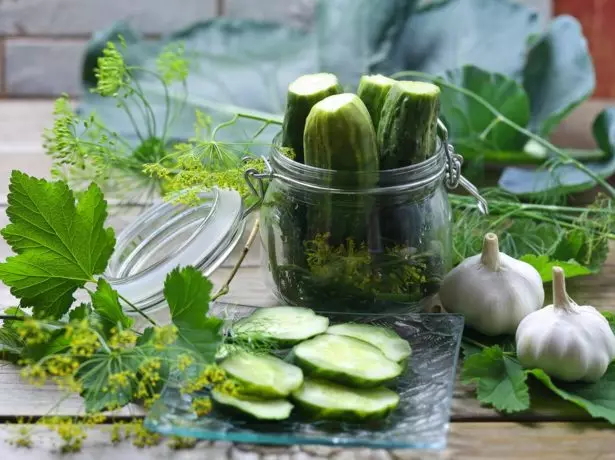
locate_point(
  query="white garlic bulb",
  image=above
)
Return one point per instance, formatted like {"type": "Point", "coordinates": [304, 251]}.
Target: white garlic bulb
{"type": "Point", "coordinates": [567, 341]}
{"type": "Point", "coordinates": [493, 291]}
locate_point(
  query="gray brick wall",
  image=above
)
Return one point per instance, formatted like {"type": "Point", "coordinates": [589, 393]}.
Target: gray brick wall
{"type": "Point", "coordinates": [42, 41]}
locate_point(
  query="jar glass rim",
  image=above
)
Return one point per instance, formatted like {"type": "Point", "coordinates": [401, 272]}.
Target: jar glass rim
{"type": "Point", "coordinates": [413, 176]}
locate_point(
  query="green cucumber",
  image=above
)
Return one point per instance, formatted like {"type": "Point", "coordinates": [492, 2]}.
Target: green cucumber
{"type": "Point", "coordinates": [345, 360]}
{"type": "Point", "coordinates": [284, 326]}
{"type": "Point", "coordinates": [303, 93]}
{"type": "Point", "coordinates": [385, 339]}
{"type": "Point", "coordinates": [339, 135]}
{"type": "Point", "coordinates": [264, 376]}
{"type": "Point", "coordinates": [373, 91]}
{"type": "Point", "coordinates": [270, 409]}
{"type": "Point", "coordinates": [407, 132]}
{"type": "Point", "coordinates": [327, 400]}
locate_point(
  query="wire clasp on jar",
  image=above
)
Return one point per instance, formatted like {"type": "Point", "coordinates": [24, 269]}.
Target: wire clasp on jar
{"type": "Point", "coordinates": [453, 177]}
{"type": "Point", "coordinates": [253, 176]}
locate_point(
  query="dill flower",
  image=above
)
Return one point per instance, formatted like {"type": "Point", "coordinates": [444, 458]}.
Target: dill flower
{"type": "Point", "coordinates": [71, 433]}
{"type": "Point", "coordinates": [172, 64]}
{"type": "Point", "coordinates": [184, 361]}
{"type": "Point", "coordinates": [212, 374]}
{"type": "Point", "coordinates": [111, 72]}
{"type": "Point", "coordinates": [34, 374]}
{"type": "Point", "coordinates": [31, 332]}
{"type": "Point", "coordinates": [201, 406]}
{"type": "Point", "coordinates": [141, 436]}
{"type": "Point", "coordinates": [228, 387]}
{"type": "Point", "coordinates": [69, 383]}
{"type": "Point", "coordinates": [22, 436]}
{"type": "Point", "coordinates": [83, 341]}
{"type": "Point", "coordinates": [164, 336]}
{"type": "Point", "coordinates": [122, 339]}
{"type": "Point", "coordinates": [62, 365]}
{"type": "Point", "coordinates": [179, 442]}
{"type": "Point", "coordinates": [120, 382]}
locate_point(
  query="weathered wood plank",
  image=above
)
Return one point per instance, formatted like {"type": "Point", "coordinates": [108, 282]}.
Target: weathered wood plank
{"type": "Point", "coordinates": [467, 441]}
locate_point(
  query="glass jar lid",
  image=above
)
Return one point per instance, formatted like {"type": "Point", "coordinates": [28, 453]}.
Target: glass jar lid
{"type": "Point", "coordinates": [170, 235]}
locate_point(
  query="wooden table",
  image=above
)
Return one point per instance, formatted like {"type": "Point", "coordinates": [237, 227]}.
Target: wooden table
{"type": "Point", "coordinates": [475, 432]}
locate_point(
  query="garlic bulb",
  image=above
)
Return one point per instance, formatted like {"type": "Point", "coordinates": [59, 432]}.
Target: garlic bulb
{"type": "Point", "coordinates": [567, 341]}
{"type": "Point", "coordinates": [492, 290]}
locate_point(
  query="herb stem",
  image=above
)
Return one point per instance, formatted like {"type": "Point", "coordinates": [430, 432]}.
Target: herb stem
{"type": "Point", "coordinates": [11, 318]}
{"type": "Point", "coordinates": [244, 252]}
{"type": "Point", "coordinates": [474, 342]}
{"type": "Point", "coordinates": [137, 309]}
{"type": "Point", "coordinates": [566, 159]}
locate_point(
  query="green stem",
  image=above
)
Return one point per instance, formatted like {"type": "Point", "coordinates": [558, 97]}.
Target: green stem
{"type": "Point", "coordinates": [11, 318]}
{"type": "Point", "coordinates": [474, 342]}
{"type": "Point", "coordinates": [123, 105]}
{"type": "Point", "coordinates": [548, 145]}
{"type": "Point", "coordinates": [223, 125]}
{"type": "Point", "coordinates": [137, 309]}
{"type": "Point", "coordinates": [468, 200]}
{"type": "Point", "coordinates": [260, 130]}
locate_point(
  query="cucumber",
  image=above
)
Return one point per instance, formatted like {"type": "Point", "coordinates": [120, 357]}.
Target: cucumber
{"type": "Point", "coordinates": [345, 360]}
{"type": "Point", "coordinates": [264, 376]}
{"type": "Point", "coordinates": [303, 93]}
{"type": "Point", "coordinates": [407, 132]}
{"type": "Point", "coordinates": [326, 400]}
{"type": "Point", "coordinates": [284, 326]}
{"type": "Point", "coordinates": [385, 339]}
{"type": "Point", "coordinates": [271, 409]}
{"type": "Point", "coordinates": [339, 134]}
{"type": "Point", "coordinates": [373, 91]}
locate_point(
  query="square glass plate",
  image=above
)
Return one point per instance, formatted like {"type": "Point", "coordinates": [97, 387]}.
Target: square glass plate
{"type": "Point", "coordinates": [420, 421]}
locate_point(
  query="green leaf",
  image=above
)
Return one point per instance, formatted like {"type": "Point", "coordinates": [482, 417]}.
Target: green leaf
{"type": "Point", "coordinates": [544, 265]}
{"type": "Point", "coordinates": [490, 34]}
{"type": "Point", "coordinates": [94, 375]}
{"type": "Point", "coordinates": [566, 178]}
{"type": "Point", "coordinates": [596, 398]}
{"type": "Point", "coordinates": [471, 126]}
{"type": "Point", "coordinates": [187, 292]}
{"type": "Point", "coordinates": [500, 380]}
{"type": "Point", "coordinates": [349, 38]}
{"type": "Point", "coordinates": [107, 305]}
{"type": "Point", "coordinates": [558, 75]}
{"type": "Point", "coordinates": [11, 344]}
{"type": "Point", "coordinates": [80, 312]}
{"type": "Point", "coordinates": [60, 246]}
{"type": "Point", "coordinates": [610, 317]}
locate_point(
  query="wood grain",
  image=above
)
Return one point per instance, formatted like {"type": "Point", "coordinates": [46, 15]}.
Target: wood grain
{"type": "Point", "coordinates": [467, 441]}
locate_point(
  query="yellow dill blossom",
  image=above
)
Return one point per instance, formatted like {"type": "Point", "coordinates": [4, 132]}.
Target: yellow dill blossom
{"type": "Point", "coordinates": [149, 402]}
{"type": "Point", "coordinates": [172, 64]}
{"type": "Point", "coordinates": [34, 374]}
{"type": "Point", "coordinates": [164, 336]}
{"type": "Point", "coordinates": [111, 72]}
{"type": "Point", "coordinates": [184, 362]}
{"type": "Point", "coordinates": [201, 406]}
{"type": "Point", "coordinates": [210, 375]}
{"type": "Point", "coordinates": [228, 387]}
{"type": "Point", "coordinates": [120, 381]}
{"type": "Point", "coordinates": [122, 339]}
{"type": "Point", "coordinates": [117, 434]}
{"type": "Point", "coordinates": [178, 443]}
{"type": "Point", "coordinates": [62, 365]}
{"type": "Point", "coordinates": [83, 341]}
{"type": "Point", "coordinates": [68, 383]}
{"type": "Point", "coordinates": [71, 433]}
{"type": "Point", "coordinates": [22, 436]}
{"type": "Point", "coordinates": [94, 419]}
{"type": "Point", "coordinates": [31, 332]}
{"type": "Point", "coordinates": [142, 437]}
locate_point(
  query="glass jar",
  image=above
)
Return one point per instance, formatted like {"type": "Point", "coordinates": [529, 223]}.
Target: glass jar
{"type": "Point", "coordinates": [364, 242]}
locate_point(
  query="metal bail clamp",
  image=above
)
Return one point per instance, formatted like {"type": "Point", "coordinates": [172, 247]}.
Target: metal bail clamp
{"type": "Point", "coordinates": [453, 177]}
{"type": "Point", "coordinates": [252, 176]}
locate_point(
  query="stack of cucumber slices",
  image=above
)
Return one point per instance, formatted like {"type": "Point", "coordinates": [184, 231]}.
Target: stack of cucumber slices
{"type": "Point", "coordinates": [331, 372]}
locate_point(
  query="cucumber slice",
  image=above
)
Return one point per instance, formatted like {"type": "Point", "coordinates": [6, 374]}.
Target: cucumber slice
{"type": "Point", "coordinates": [326, 400]}
{"type": "Point", "coordinates": [345, 360]}
{"type": "Point", "coordinates": [385, 339]}
{"type": "Point", "coordinates": [285, 326]}
{"type": "Point", "coordinates": [263, 375]}
{"type": "Point", "coordinates": [272, 409]}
